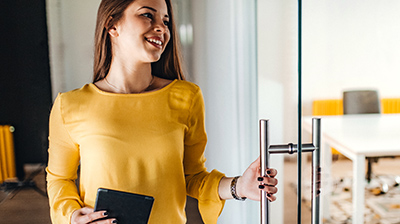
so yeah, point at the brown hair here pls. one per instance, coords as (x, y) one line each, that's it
(109, 13)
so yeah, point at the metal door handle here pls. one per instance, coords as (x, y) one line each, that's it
(266, 149)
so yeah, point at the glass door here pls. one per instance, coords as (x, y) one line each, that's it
(351, 46)
(245, 57)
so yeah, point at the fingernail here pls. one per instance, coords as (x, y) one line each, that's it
(261, 186)
(114, 221)
(260, 179)
(268, 171)
(105, 213)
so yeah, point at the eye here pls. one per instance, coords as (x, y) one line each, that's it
(148, 15)
(166, 22)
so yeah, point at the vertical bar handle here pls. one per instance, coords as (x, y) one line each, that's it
(316, 171)
(264, 164)
(316, 168)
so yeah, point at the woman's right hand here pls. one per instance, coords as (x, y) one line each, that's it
(88, 215)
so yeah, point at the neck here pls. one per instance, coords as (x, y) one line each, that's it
(129, 78)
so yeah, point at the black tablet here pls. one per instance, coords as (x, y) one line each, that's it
(127, 208)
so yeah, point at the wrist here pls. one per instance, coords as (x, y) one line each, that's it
(236, 190)
(239, 188)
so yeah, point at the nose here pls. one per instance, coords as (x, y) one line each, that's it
(160, 27)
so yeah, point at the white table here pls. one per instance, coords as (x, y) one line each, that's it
(356, 137)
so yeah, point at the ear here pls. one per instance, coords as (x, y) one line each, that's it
(112, 30)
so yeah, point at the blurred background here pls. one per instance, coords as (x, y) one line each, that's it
(243, 54)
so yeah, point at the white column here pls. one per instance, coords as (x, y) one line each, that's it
(56, 46)
(71, 26)
(224, 66)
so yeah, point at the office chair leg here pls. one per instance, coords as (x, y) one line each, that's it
(369, 170)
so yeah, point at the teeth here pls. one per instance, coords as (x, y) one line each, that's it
(158, 42)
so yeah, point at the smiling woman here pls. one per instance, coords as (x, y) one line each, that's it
(140, 35)
(138, 127)
(142, 15)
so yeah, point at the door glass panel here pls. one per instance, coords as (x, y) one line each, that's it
(348, 45)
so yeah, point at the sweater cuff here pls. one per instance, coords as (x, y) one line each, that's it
(64, 213)
(210, 203)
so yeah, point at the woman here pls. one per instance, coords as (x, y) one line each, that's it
(139, 127)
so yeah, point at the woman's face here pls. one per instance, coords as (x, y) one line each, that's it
(142, 33)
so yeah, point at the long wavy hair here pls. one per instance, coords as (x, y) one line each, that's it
(109, 13)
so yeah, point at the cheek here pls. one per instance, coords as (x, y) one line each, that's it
(167, 38)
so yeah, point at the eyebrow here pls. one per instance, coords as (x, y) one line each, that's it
(152, 9)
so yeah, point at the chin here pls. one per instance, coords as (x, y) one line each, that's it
(154, 58)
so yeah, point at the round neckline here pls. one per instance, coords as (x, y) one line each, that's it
(133, 94)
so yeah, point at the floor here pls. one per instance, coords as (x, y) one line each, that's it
(28, 205)
(342, 170)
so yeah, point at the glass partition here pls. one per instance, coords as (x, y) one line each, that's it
(352, 46)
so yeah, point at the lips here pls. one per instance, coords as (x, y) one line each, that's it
(155, 42)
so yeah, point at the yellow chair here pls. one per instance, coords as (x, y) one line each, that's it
(335, 106)
(328, 107)
(390, 105)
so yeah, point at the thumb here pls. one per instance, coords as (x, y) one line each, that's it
(86, 210)
(255, 164)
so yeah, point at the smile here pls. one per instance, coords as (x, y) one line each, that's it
(154, 41)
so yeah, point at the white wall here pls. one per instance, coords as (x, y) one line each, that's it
(347, 44)
(78, 22)
(350, 45)
(71, 35)
(277, 52)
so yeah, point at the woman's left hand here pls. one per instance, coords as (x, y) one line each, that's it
(251, 182)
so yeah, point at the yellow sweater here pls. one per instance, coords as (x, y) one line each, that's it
(151, 143)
